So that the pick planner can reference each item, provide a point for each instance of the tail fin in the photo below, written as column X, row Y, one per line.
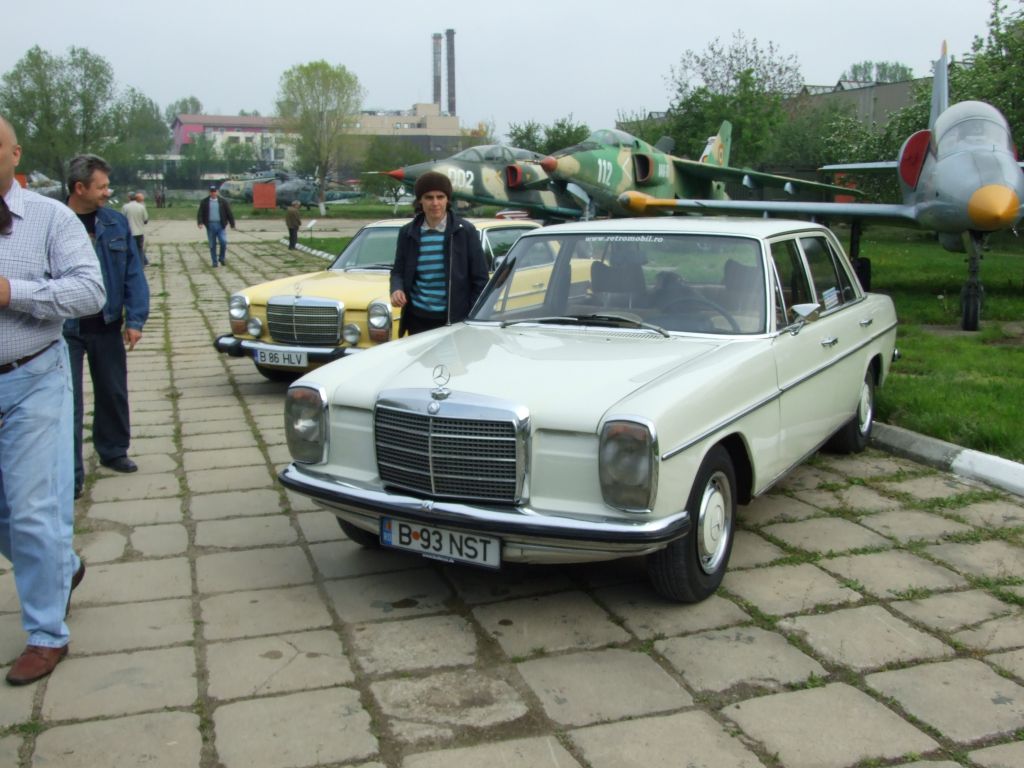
column 940, row 88
column 716, row 151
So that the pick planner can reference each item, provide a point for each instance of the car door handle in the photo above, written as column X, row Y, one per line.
column 866, row 322
column 831, row 341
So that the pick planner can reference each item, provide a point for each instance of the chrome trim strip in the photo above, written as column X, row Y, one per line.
column 782, row 390
column 520, row 524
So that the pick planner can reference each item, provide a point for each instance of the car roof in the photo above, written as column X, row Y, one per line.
column 479, row 223
column 709, row 225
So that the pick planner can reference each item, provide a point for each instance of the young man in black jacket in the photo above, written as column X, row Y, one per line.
column 440, row 269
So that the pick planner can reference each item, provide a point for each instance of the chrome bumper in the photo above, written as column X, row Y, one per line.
column 236, row 347
column 527, row 535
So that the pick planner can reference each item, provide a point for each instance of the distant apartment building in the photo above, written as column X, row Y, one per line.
column 424, row 126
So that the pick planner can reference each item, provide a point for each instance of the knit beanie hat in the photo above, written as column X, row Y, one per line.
column 432, row 181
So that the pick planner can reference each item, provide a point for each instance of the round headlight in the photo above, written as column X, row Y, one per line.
column 379, row 315
column 254, row 327
column 351, row 333
column 238, row 307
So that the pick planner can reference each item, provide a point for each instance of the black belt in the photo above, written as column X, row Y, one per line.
column 8, row 367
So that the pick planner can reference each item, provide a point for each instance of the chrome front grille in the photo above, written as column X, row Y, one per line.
column 301, row 320
column 462, row 452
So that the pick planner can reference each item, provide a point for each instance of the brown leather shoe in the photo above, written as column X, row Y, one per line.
column 76, row 579
column 35, row 662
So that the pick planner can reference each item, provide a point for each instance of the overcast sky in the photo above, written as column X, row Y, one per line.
column 515, row 61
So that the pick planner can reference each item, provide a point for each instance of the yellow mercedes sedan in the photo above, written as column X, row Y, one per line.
column 293, row 325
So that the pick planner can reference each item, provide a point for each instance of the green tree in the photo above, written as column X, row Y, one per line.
column 60, row 106
column 385, row 154
column 878, row 72
column 994, row 70
column 528, row 135
column 140, row 130
column 199, row 156
column 744, row 83
column 189, row 105
column 320, row 103
column 562, row 133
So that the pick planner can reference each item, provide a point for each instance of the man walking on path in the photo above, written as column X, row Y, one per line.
column 215, row 214
column 48, row 272
column 293, row 221
column 99, row 336
column 138, row 217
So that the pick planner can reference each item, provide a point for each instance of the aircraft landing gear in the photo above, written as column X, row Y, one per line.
column 972, row 295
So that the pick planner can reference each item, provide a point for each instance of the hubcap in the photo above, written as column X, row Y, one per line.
column 866, row 409
column 714, row 523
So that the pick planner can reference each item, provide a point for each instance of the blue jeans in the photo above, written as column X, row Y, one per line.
column 216, row 233
column 37, row 508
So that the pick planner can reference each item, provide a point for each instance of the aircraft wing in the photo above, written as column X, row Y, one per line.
column 888, row 166
column 755, row 179
column 904, row 215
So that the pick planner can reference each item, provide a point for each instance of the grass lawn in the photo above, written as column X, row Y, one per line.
column 966, row 388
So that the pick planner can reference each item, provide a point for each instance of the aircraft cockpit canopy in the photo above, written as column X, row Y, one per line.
column 609, row 137
column 495, row 153
column 969, row 125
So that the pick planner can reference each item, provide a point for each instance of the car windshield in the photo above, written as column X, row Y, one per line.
column 371, row 248
column 691, row 283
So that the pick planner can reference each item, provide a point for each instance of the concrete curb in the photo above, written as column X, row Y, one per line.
column 311, row 251
column 1001, row 473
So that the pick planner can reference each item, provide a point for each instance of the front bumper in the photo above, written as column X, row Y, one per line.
column 235, row 347
column 527, row 535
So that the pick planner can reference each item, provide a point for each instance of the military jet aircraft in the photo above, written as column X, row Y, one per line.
column 610, row 163
column 959, row 178
column 494, row 174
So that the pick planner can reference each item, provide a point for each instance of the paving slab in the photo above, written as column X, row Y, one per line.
column 994, row 514
column 785, row 589
column 773, row 508
column 252, row 569
column 319, row 526
column 1011, row 661
column 964, row 699
column 342, row 558
column 827, row 534
column 988, row 559
column 847, row 726
column 1000, row 756
column 596, row 686
column 559, row 622
column 242, row 533
column 262, row 612
column 890, row 573
column 995, row 635
column 159, row 540
column 133, row 582
column 430, row 642
column 648, row 616
column 717, row 661
column 950, row 612
column 300, row 729
column 121, row 684
column 912, row 525
column 277, row 664
column 137, row 486
column 16, row 704
column 138, row 512
column 864, row 638
column 217, row 506
column 159, row 740
column 750, row 550
column 101, row 546
column 657, row 741
column 541, row 751
column 388, row 595
column 139, row 625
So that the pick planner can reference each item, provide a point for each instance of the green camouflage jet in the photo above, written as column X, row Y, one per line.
column 494, row 174
column 611, row 168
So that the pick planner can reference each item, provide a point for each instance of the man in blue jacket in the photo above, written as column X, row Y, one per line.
column 100, row 337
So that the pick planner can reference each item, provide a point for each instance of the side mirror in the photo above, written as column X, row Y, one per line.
column 805, row 314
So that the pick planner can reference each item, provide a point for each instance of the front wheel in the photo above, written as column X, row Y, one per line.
column 856, row 433
column 690, row 569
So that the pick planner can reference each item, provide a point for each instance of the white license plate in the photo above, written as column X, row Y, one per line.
column 441, row 543
column 279, row 357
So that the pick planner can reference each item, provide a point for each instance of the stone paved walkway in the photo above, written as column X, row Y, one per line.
column 872, row 615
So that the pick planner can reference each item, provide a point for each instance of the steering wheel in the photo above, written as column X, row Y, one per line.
column 676, row 305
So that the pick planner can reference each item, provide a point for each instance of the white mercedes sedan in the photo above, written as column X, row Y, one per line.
column 618, row 389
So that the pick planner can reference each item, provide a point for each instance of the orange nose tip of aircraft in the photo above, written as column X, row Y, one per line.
column 993, row 207
column 396, row 174
column 549, row 163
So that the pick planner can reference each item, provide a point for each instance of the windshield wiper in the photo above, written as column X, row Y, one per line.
column 608, row 320
column 380, row 265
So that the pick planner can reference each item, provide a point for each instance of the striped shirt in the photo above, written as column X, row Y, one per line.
column 430, row 285
column 53, row 272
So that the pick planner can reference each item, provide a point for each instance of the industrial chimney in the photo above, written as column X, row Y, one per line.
column 450, row 34
column 437, row 68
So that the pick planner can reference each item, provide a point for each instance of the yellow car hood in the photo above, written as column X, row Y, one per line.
column 355, row 288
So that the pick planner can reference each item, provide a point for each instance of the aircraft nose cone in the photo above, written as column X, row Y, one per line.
column 993, row 207
column 549, row 164
column 398, row 174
